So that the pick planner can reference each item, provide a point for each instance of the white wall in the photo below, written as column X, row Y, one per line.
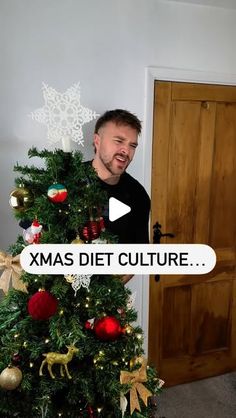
column 105, row 45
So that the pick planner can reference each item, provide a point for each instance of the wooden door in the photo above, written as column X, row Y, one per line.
column 192, row 331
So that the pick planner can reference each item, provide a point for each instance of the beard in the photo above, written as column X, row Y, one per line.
column 113, row 166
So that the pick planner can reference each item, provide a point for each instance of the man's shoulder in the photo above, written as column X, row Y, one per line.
column 134, row 184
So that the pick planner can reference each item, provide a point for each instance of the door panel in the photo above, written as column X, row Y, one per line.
column 176, row 309
column 192, row 317
column 183, row 149
column 211, row 320
column 223, row 200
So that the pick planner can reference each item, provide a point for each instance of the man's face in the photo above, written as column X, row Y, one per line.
column 115, row 147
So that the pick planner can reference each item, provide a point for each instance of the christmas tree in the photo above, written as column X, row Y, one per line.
column 69, row 344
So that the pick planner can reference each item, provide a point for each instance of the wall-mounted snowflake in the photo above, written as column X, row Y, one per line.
column 63, row 114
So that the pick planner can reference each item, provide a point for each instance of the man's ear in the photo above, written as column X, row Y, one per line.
column 96, row 140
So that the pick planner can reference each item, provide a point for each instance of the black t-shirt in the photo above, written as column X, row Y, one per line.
column 131, row 228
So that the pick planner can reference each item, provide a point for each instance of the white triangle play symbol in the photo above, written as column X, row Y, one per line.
column 117, row 209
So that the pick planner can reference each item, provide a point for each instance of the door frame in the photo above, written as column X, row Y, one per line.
column 165, row 74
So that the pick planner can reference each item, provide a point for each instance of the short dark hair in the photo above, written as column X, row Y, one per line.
column 119, row 117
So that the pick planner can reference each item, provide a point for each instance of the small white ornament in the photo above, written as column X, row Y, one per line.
column 63, row 115
column 123, row 404
column 28, row 235
column 91, row 321
column 99, row 241
column 78, row 280
column 36, row 228
column 131, row 300
column 160, row 383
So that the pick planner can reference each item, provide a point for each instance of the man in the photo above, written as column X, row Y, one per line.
column 115, row 141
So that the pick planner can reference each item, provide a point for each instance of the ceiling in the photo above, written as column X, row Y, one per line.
column 226, row 4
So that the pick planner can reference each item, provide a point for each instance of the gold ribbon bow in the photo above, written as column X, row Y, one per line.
column 136, row 378
column 12, row 270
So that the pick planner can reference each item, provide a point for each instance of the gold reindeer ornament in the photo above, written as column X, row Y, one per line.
column 58, row 358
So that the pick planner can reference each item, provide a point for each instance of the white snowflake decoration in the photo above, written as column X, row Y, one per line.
column 63, row 114
column 78, row 280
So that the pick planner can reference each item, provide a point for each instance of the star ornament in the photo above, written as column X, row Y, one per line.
column 63, row 114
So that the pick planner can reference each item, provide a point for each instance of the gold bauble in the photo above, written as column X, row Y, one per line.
column 10, row 378
column 21, row 198
column 128, row 329
column 77, row 240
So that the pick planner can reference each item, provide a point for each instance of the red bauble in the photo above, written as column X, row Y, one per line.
column 85, row 233
column 16, row 359
column 91, row 230
column 107, row 328
column 57, row 193
column 101, row 224
column 90, row 411
column 88, row 325
column 42, row 305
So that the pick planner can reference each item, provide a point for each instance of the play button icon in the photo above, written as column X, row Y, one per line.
column 117, row 209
